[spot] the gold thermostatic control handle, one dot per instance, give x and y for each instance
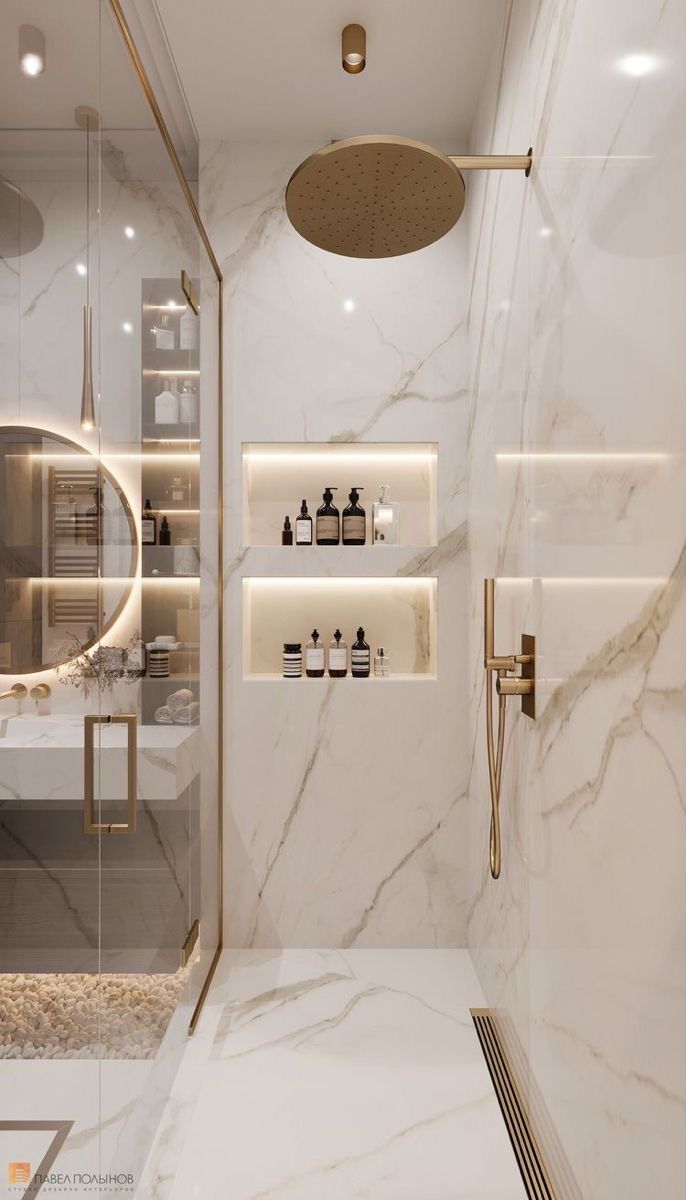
(90, 825)
(505, 685)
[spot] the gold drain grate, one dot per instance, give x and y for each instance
(534, 1174)
(375, 197)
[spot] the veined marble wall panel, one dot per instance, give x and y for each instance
(576, 502)
(345, 809)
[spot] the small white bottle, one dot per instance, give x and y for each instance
(166, 406)
(188, 403)
(164, 334)
(188, 330)
(385, 519)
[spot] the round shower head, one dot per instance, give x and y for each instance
(21, 225)
(375, 196)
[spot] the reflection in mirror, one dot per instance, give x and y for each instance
(68, 549)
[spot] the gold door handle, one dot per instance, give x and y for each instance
(90, 825)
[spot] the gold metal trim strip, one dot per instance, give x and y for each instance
(162, 126)
(536, 1179)
(189, 944)
(190, 199)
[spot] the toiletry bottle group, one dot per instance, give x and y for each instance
(330, 528)
(338, 663)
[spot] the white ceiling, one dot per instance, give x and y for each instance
(270, 69)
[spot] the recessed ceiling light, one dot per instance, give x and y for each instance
(349, 305)
(545, 232)
(31, 50)
(354, 49)
(81, 269)
(129, 231)
(638, 65)
(127, 327)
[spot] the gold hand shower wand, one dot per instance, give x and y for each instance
(507, 684)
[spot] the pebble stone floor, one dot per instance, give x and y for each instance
(86, 1016)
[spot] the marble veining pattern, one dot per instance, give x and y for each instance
(335, 1074)
(346, 812)
(576, 503)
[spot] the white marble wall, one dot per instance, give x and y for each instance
(344, 805)
(576, 333)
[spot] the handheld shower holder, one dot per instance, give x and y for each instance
(508, 683)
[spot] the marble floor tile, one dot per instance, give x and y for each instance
(328, 1075)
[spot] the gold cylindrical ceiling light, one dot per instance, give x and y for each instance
(354, 49)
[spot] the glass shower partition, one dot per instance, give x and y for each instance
(109, 611)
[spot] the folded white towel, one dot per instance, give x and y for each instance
(187, 715)
(180, 699)
(163, 715)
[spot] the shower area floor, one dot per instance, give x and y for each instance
(328, 1075)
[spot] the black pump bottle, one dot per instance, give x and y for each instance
(328, 524)
(354, 521)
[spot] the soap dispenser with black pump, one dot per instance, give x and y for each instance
(314, 657)
(338, 656)
(354, 521)
(328, 525)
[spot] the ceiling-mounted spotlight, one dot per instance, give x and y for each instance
(31, 50)
(354, 49)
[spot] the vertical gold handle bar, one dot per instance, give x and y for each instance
(90, 825)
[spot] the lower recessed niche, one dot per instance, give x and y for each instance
(396, 613)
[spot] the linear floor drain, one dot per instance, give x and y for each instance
(536, 1179)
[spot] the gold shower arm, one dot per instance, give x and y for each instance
(493, 162)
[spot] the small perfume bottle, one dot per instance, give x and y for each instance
(314, 657)
(382, 665)
(360, 657)
(385, 519)
(338, 656)
(354, 521)
(165, 533)
(287, 533)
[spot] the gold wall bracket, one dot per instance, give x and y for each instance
(189, 292)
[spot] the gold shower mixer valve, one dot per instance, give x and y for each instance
(508, 683)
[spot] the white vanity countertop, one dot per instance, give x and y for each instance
(168, 758)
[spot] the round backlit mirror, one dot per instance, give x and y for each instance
(68, 550)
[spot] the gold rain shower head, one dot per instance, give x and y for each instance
(378, 196)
